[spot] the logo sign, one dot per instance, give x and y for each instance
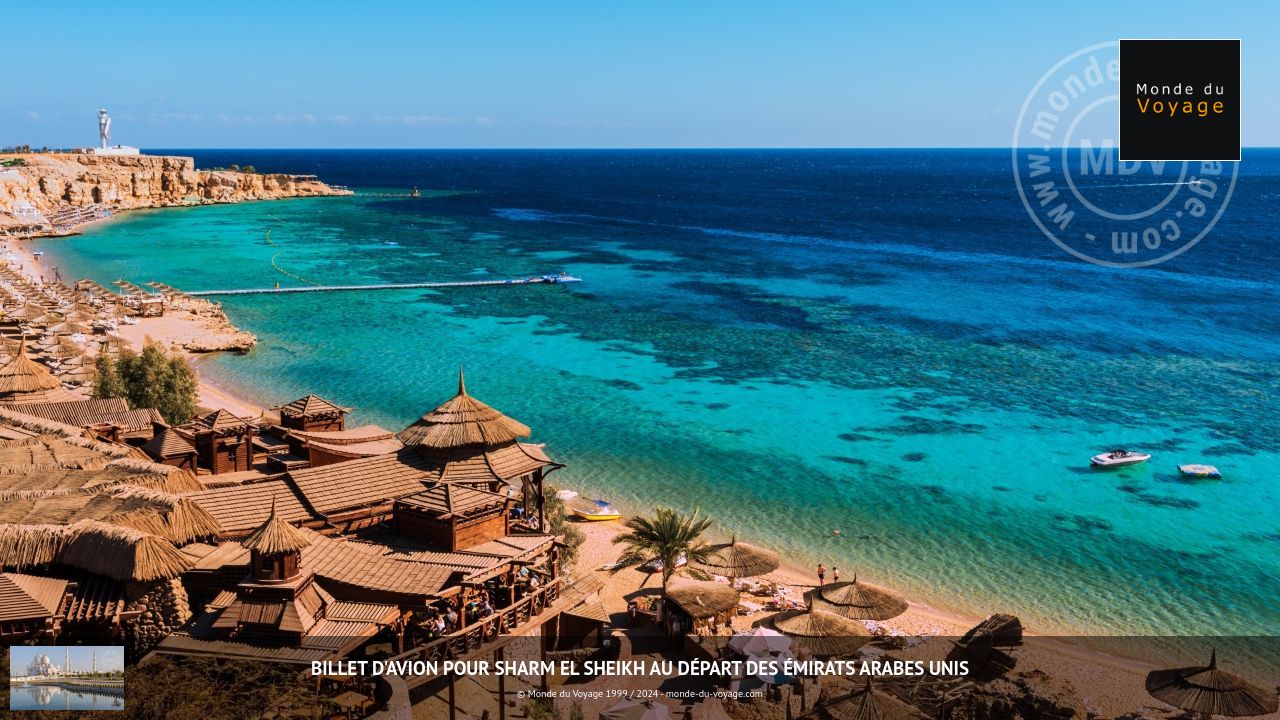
(1180, 100)
(1083, 196)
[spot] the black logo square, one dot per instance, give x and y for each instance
(1180, 100)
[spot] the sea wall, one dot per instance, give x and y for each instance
(42, 186)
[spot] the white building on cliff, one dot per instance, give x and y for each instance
(104, 138)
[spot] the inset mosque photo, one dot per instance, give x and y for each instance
(84, 677)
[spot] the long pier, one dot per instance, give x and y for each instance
(540, 280)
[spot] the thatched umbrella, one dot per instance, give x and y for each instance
(1211, 691)
(78, 375)
(858, 601)
(25, 380)
(822, 633)
(738, 560)
(70, 326)
(463, 421)
(702, 600)
(865, 703)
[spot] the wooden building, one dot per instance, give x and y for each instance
(313, 413)
(168, 447)
(223, 442)
(452, 516)
(468, 442)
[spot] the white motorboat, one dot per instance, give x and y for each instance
(1118, 458)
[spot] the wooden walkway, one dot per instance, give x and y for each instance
(541, 280)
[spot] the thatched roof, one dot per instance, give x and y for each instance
(997, 630)
(175, 518)
(276, 536)
(22, 379)
(865, 703)
(822, 633)
(702, 600)
(48, 452)
(119, 553)
(463, 421)
(858, 601)
(143, 507)
(1210, 690)
(738, 560)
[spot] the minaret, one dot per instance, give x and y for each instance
(66, 661)
(95, 661)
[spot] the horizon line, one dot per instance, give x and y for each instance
(679, 148)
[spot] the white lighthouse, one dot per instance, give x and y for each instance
(104, 138)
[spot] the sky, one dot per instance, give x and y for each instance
(569, 73)
(109, 657)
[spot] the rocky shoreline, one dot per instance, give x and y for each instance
(46, 194)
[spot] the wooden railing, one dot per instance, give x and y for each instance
(484, 630)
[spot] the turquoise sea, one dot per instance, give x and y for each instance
(879, 342)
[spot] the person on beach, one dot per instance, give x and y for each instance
(822, 574)
(835, 574)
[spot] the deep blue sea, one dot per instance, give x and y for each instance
(876, 342)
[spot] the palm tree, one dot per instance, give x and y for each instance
(664, 537)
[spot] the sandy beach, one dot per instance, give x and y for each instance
(178, 330)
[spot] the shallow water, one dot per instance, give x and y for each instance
(878, 342)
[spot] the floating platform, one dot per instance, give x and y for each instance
(538, 280)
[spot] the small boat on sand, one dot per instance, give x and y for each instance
(1118, 458)
(602, 510)
(1199, 471)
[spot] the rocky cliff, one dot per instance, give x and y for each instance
(39, 189)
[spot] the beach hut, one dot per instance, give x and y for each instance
(313, 413)
(823, 634)
(858, 601)
(23, 380)
(167, 447)
(1208, 690)
(467, 441)
(698, 607)
(739, 560)
(865, 703)
(223, 442)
